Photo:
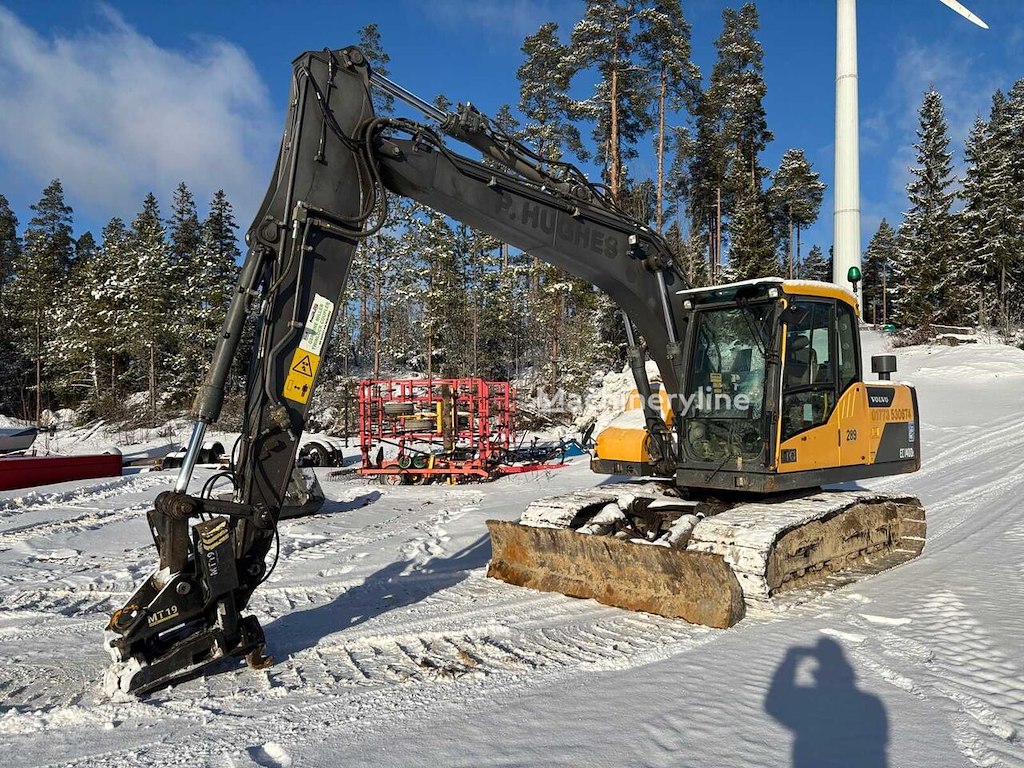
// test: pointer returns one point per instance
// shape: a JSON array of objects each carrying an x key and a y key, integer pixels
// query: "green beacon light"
[{"x": 854, "y": 276}]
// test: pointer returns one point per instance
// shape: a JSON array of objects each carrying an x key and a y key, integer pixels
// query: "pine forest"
[{"x": 123, "y": 322}]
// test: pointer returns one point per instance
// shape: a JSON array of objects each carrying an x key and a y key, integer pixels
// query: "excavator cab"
[{"x": 773, "y": 396}]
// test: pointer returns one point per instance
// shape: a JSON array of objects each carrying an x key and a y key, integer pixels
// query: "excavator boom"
[{"x": 337, "y": 163}]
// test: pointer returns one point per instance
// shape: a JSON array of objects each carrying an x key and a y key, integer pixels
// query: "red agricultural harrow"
[{"x": 430, "y": 430}]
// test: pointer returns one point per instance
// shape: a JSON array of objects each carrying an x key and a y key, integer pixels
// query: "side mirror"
[
  {"x": 794, "y": 316},
  {"x": 883, "y": 365}
]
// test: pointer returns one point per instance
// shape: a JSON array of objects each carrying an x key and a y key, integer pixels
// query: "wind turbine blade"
[{"x": 964, "y": 12}]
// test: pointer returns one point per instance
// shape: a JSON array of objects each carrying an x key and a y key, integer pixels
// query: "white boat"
[{"x": 16, "y": 438}]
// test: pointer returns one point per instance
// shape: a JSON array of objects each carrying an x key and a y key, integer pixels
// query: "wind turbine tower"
[{"x": 846, "y": 214}]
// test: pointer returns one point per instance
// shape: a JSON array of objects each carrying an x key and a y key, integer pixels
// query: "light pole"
[{"x": 846, "y": 212}]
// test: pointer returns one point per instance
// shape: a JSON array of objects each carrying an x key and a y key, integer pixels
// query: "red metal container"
[{"x": 30, "y": 471}]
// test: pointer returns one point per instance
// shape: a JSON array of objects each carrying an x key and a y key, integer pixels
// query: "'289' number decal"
[{"x": 851, "y": 435}]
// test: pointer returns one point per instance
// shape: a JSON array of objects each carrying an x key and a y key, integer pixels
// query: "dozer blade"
[{"x": 696, "y": 586}]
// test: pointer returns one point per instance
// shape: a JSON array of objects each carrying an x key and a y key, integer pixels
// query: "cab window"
[
  {"x": 809, "y": 379},
  {"x": 808, "y": 358},
  {"x": 847, "y": 347}
]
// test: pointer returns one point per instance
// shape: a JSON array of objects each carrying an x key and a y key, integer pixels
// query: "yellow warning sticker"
[{"x": 299, "y": 382}]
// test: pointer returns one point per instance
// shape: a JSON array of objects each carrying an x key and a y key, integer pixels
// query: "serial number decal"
[{"x": 892, "y": 414}]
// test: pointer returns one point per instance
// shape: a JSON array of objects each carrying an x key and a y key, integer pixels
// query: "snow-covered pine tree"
[
  {"x": 155, "y": 310},
  {"x": 816, "y": 266},
  {"x": 731, "y": 131},
  {"x": 372, "y": 46},
  {"x": 443, "y": 295},
  {"x": 1013, "y": 279},
  {"x": 689, "y": 255},
  {"x": 486, "y": 331},
  {"x": 678, "y": 185},
  {"x": 72, "y": 351},
  {"x": 605, "y": 41},
  {"x": 85, "y": 247},
  {"x": 751, "y": 241},
  {"x": 985, "y": 222},
  {"x": 552, "y": 295},
  {"x": 706, "y": 172},
  {"x": 380, "y": 250},
  {"x": 506, "y": 332},
  {"x": 878, "y": 260},
  {"x": 211, "y": 287},
  {"x": 543, "y": 97},
  {"x": 39, "y": 272},
  {"x": 11, "y": 361},
  {"x": 400, "y": 301},
  {"x": 362, "y": 330},
  {"x": 663, "y": 46},
  {"x": 184, "y": 232},
  {"x": 928, "y": 262},
  {"x": 737, "y": 83},
  {"x": 112, "y": 278},
  {"x": 10, "y": 246},
  {"x": 795, "y": 195}
]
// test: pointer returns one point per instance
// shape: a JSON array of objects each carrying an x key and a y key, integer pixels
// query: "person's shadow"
[{"x": 833, "y": 722}]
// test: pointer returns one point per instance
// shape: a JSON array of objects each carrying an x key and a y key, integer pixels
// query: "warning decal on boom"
[{"x": 299, "y": 383}]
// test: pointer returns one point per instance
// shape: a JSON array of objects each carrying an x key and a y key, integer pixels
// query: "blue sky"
[{"x": 121, "y": 98}]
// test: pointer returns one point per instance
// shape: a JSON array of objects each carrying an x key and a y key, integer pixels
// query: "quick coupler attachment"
[{"x": 176, "y": 624}]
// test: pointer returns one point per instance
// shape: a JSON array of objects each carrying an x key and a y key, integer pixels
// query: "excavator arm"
[{"x": 336, "y": 165}]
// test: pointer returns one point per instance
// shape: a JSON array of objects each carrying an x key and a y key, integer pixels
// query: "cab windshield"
[{"x": 727, "y": 374}]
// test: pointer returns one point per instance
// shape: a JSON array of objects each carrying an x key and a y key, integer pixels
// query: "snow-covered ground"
[{"x": 393, "y": 648}]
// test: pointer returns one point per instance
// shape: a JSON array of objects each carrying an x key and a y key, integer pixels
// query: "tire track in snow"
[
  {"x": 88, "y": 519},
  {"x": 952, "y": 449},
  {"x": 955, "y": 502},
  {"x": 358, "y": 686},
  {"x": 27, "y": 686},
  {"x": 943, "y": 651},
  {"x": 32, "y": 499},
  {"x": 482, "y": 645}
]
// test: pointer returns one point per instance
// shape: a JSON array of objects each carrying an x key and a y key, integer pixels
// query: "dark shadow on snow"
[
  {"x": 336, "y": 507},
  {"x": 396, "y": 585},
  {"x": 833, "y": 722},
  {"x": 317, "y": 505}
]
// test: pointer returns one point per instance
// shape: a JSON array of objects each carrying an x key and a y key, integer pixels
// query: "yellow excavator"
[
  {"x": 776, "y": 407},
  {"x": 761, "y": 399}
]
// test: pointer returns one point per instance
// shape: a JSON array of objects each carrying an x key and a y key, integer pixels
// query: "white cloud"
[
  {"x": 890, "y": 126},
  {"x": 966, "y": 91},
  {"x": 114, "y": 115}
]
